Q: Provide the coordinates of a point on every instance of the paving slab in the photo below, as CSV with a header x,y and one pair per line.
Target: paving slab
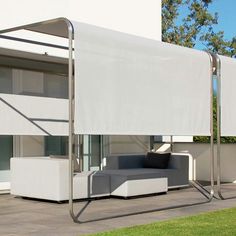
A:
x,y
20,216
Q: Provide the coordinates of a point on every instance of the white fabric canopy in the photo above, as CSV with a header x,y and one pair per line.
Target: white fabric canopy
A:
x,y
228,96
130,85
30,115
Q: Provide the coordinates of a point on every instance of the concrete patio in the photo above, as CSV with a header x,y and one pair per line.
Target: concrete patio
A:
x,y
32,217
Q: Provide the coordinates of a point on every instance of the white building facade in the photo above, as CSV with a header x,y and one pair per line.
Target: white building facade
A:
x,y
40,73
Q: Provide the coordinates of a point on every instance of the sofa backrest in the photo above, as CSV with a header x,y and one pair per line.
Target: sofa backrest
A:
x,y
133,161
124,161
178,161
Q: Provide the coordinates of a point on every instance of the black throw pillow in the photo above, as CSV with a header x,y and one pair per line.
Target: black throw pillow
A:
x,y
157,160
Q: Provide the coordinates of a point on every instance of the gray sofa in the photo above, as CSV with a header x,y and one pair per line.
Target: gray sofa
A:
x,y
132,165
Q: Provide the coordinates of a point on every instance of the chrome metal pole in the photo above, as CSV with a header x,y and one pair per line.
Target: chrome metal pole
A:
x,y
171,143
71,119
218,117
195,183
212,130
81,152
218,74
151,143
101,152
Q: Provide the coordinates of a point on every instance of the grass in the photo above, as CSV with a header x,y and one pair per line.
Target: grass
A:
x,y
216,223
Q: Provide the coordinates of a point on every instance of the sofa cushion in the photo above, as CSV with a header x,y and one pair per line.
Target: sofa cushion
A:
x,y
157,160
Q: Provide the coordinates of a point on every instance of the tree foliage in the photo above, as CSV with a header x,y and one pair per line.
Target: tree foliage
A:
x,y
195,25
215,42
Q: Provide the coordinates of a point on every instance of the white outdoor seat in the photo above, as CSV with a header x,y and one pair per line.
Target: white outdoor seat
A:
x,y
48,178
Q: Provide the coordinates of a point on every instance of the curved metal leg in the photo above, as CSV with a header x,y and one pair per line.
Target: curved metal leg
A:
x,y
71,120
218,102
218,117
209,194
212,132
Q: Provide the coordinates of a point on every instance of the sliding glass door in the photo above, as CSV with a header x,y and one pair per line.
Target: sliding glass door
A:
x,y
92,152
6,152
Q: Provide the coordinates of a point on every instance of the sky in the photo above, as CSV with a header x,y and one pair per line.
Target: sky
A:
x,y
226,10
227,16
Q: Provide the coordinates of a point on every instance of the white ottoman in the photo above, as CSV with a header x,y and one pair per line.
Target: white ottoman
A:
x,y
135,182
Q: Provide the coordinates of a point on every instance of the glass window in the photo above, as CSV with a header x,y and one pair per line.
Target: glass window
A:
x,y
6,152
95,150
92,152
5,80
56,145
55,86
33,83
27,82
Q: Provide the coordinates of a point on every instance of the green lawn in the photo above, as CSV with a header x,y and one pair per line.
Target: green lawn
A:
x,y
214,223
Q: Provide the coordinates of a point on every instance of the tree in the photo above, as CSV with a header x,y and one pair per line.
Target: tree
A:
x,y
215,42
197,25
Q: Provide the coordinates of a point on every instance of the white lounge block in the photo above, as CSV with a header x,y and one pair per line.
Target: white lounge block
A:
x,y
48,178
139,187
135,182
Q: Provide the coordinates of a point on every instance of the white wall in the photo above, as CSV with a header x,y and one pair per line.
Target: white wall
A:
x,y
127,144
201,152
21,12
177,139
32,146
137,17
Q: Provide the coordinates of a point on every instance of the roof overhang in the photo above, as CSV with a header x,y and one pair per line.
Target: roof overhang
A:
x,y
55,27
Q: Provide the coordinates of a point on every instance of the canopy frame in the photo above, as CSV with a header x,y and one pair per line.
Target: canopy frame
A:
x,y
68,32
218,116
